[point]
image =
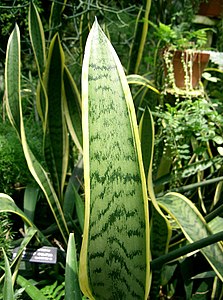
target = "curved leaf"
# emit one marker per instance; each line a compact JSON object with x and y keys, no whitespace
{"x":8,"y":205}
{"x":140,"y":80}
{"x":193,"y":226}
{"x":114,"y":260}
{"x":14,"y":102}
{"x":30,"y":289}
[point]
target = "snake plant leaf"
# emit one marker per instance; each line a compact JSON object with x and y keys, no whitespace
{"x":72,"y":200}
{"x":56,"y":146}
{"x":40,"y":175}
{"x":72,"y":107}
{"x":140,"y":80}
{"x":8,"y":205}
{"x":55,"y":16}
{"x":72,"y":288}
{"x":160,"y":227}
{"x":37,"y":39}
{"x":115,"y":258}
{"x":8,"y":293}
{"x":194,"y":227}
{"x":31,"y":196}
{"x":12,"y":82}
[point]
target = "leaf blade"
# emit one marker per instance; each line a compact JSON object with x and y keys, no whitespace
{"x":114,"y":177}
{"x":195,"y":228}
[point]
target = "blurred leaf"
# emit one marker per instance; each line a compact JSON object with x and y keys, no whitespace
{"x":30,"y":289}
{"x":72,"y":289}
{"x":8,"y":293}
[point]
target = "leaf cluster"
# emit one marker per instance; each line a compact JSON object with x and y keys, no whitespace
{"x":180,"y":36}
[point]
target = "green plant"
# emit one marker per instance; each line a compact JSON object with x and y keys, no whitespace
{"x":180,"y":36}
{"x":117,"y":240}
{"x":6,"y":237}
{"x":192,"y":130}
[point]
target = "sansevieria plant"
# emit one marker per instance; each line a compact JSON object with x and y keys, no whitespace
{"x":126,"y":233}
{"x":115,"y":252}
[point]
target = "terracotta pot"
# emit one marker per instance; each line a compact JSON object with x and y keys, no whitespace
{"x":211,"y":8}
{"x":199,"y":61}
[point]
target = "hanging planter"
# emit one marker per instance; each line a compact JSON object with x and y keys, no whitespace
{"x":183,"y":69}
{"x":211,"y":8}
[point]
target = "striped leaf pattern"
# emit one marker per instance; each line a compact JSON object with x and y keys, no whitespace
{"x":56,"y":135}
{"x":12,"y":91}
{"x":160,"y":231}
{"x":40,"y":175}
{"x":72,"y":106}
{"x":114,"y":258}
{"x":193,"y":226}
{"x":37,"y":39}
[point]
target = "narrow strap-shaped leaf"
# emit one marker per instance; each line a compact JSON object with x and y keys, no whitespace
{"x":140,"y":80}
{"x":31,"y":290}
{"x":8,"y":205}
{"x":55,"y":16}
{"x":8,"y":293}
{"x":115,"y":257}
{"x":56,"y":137}
{"x":146,"y":130}
{"x":30,"y":199}
{"x":73,"y":109}
{"x":73,"y":199}
{"x":44,"y":182}
{"x":12,"y":76}
{"x":160,"y":228}
{"x":193,"y":226}
{"x":37,"y":38}
{"x":72,"y":288}
{"x":35,"y":168}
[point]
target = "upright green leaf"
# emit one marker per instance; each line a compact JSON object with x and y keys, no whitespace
{"x":115,"y":257}
{"x":193,"y":226}
{"x":30,"y":199}
{"x":37,"y":38}
{"x":8,"y":293}
{"x":55,"y":16}
{"x":73,"y":199}
{"x":72,"y":288}
{"x":160,"y":228}
{"x":12,"y":74}
{"x":73,"y":109}
{"x":56,"y":136}
{"x":14,"y":102}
